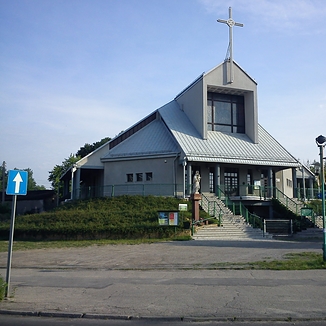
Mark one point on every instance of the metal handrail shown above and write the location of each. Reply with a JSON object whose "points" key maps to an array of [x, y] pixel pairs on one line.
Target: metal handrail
{"points": [[239, 209], [287, 201], [213, 208]]}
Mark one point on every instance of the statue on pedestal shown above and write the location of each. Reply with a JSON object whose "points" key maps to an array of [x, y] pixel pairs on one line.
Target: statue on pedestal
{"points": [[196, 183]]}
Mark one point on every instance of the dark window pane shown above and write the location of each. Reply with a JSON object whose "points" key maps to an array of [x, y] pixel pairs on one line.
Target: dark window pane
{"points": [[149, 176], [225, 113], [209, 113], [222, 128], [222, 113]]}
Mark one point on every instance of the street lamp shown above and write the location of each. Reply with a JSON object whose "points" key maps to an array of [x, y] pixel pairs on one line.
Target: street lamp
{"points": [[321, 142]]}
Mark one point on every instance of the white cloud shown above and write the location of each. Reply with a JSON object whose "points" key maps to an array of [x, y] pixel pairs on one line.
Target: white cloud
{"points": [[278, 14]]}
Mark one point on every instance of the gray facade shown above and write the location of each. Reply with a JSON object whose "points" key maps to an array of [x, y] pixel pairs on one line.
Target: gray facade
{"points": [[160, 154]]}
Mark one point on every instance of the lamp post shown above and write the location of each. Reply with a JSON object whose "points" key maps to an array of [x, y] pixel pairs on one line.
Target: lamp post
{"points": [[321, 142]]}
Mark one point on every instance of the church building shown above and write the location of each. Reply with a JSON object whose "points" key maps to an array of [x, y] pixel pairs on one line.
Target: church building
{"points": [[212, 127]]}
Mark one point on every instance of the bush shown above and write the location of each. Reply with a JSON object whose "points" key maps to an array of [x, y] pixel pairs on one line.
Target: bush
{"points": [[316, 206], [4, 212]]}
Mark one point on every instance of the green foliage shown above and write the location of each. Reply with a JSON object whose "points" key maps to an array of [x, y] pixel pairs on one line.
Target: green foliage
{"points": [[5, 212], [284, 213], [88, 148], [2, 288], [293, 261], [3, 175], [124, 217], [59, 170], [31, 185], [316, 205], [290, 261]]}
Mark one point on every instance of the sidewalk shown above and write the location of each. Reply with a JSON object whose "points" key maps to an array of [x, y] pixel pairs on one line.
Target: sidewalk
{"points": [[170, 280]]}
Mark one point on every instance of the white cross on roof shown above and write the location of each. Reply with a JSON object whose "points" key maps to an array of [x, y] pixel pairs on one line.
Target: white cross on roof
{"points": [[230, 22]]}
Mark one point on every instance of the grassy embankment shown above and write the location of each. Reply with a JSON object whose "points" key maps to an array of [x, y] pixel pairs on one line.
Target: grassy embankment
{"points": [[124, 217], [120, 220]]}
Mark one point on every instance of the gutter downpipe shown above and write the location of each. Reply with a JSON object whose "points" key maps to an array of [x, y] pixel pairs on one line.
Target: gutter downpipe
{"points": [[184, 164], [73, 170], [174, 175]]}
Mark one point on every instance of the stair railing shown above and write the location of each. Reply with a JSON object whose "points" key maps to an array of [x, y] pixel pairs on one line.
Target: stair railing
{"points": [[212, 208], [239, 209], [288, 202]]}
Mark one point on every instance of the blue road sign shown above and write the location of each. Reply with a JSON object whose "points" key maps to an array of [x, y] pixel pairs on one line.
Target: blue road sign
{"points": [[17, 182]]}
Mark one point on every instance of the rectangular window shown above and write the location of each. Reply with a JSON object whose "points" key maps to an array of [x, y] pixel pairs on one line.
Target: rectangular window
{"points": [[211, 181], [130, 177], [225, 113], [139, 177], [149, 176], [231, 182]]}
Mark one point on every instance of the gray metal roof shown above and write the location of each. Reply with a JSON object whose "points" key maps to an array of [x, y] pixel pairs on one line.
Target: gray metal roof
{"points": [[153, 139], [224, 147]]}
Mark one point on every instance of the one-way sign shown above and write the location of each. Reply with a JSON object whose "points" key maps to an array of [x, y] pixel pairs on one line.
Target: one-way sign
{"points": [[17, 182]]}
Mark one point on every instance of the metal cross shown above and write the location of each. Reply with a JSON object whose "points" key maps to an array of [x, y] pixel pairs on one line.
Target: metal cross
{"points": [[230, 22]]}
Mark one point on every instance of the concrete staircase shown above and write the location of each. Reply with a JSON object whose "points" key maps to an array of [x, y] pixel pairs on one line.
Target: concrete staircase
{"points": [[316, 221], [232, 227], [295, 205], [311, 233]]}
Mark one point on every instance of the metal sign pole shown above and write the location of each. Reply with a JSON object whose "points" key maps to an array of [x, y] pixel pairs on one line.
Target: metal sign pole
{"points": [[11, 240]]}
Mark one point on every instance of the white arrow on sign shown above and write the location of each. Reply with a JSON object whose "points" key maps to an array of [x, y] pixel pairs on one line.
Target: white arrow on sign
{"points": [[17, 179]]}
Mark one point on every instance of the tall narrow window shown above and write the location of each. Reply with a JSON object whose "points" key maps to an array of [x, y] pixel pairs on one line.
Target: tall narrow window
{"points": [[225, 113], [211, 181]]}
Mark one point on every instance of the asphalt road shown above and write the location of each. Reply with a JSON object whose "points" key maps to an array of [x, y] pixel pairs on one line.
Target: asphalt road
{"points": [[166, 280]]}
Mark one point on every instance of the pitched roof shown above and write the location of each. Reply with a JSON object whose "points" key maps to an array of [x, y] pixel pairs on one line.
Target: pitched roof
{"points": [[153, 139], [224, 147]]}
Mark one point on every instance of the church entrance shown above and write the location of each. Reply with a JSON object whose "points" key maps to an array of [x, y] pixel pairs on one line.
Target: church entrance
{"points": [[231, 182]]}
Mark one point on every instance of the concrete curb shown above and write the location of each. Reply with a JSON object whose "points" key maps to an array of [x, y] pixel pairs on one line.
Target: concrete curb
{"points": [[155, 318]]}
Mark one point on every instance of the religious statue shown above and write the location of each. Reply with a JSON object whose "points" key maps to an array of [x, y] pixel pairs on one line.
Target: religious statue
{"points": [[196, 183]]}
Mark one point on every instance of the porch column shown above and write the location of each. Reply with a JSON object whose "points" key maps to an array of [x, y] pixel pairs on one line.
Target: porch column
{"points": [[217, 180], [189, 172], [75, 182], [295, 183], [184, 164], [270, 182], [311, 188]]}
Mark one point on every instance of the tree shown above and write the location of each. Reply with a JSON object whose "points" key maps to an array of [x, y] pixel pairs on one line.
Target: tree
{"points": [[315, 168], [88, 148], [31, 183], [59, 170]]}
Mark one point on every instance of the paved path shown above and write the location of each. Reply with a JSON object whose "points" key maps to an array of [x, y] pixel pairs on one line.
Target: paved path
{"points": [[172, 279]]}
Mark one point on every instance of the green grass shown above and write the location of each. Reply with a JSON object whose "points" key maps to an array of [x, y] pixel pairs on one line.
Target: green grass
{"points": [[290, 261], [2, 288], [123, 217], [30, 245], [293, 261]]}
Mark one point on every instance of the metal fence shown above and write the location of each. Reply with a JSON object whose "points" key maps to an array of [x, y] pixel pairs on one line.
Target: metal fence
{"points": [[130, 189]]}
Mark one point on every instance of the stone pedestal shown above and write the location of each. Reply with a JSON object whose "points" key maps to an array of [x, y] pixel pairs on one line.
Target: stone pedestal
{"points": [[195, 198]]}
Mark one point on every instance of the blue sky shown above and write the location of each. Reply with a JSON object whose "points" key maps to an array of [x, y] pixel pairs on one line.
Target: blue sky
{"points": [[76, 71]]}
